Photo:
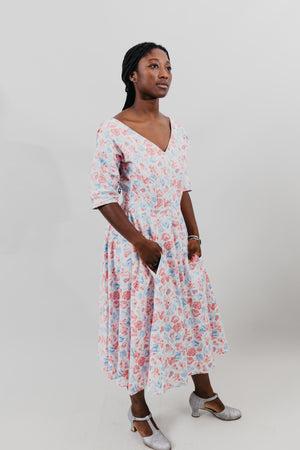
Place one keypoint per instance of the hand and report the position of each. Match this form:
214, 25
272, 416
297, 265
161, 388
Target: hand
150, 253
194, 248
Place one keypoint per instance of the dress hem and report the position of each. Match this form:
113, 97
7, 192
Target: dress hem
121, 381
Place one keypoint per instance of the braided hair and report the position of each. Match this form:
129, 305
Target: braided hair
129, 65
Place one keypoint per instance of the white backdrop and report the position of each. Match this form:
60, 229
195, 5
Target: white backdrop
235, 89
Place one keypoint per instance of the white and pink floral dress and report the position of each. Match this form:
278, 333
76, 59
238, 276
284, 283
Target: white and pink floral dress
155, 329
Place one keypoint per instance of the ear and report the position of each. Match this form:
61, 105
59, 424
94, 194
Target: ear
132, 76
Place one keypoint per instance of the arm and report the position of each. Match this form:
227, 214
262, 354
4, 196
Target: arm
115, 215
190, 222
188, 213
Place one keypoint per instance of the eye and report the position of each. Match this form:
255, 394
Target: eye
154, 64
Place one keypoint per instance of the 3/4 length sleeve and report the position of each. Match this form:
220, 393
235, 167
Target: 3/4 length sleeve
187, 185
105, 171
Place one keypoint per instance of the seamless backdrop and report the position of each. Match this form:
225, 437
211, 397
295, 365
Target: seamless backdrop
235, 89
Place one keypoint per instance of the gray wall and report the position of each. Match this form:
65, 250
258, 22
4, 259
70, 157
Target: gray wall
235, 89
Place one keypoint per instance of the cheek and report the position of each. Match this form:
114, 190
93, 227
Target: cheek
148, 80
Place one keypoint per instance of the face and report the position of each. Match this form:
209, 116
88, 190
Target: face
153, 76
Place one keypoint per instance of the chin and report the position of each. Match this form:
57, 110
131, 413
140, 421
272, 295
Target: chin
163, 94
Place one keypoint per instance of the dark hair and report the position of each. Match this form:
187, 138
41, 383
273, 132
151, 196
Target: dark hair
130, 63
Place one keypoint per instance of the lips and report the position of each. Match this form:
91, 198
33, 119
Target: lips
162, 83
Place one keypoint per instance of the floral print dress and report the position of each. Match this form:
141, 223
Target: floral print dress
155, 329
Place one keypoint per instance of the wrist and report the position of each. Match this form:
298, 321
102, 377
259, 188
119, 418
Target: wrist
193, 230
138, 240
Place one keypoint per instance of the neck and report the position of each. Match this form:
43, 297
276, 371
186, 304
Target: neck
148, 109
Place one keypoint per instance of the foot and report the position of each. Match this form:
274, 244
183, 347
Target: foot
143, 426
215, 404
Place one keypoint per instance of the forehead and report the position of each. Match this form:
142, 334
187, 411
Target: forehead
156, 54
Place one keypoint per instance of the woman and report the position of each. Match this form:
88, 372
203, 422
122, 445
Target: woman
158, 319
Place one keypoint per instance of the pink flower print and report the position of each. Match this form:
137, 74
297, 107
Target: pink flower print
139, 325
124, 304
127, 252
168, 245
116, 295
175, 319
197, 305
177, 378
211, 307
172, 360
181, 277
176, 327
136, 369
136, 284
115, 132
116, 303
95, 176
191, 351
126, 295
102, 177
190, 360
168, 347
141, 361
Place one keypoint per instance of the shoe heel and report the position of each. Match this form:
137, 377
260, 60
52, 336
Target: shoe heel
195, 412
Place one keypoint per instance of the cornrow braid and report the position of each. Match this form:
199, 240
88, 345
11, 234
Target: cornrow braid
129, 65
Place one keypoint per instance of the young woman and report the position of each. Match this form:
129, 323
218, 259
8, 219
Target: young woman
159, 322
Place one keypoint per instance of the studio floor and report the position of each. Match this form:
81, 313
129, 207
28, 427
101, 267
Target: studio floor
56, 398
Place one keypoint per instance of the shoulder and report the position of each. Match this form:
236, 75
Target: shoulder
181, 130
104, 126
109, 129
107, 137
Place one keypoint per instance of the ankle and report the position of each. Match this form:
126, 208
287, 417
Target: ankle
204, 394
140, 411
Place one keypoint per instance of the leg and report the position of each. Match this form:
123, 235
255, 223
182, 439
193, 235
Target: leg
203, 389
140, 408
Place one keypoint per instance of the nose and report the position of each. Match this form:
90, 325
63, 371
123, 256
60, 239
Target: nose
163, 72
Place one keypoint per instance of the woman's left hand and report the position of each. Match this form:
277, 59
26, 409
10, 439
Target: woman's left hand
194, 248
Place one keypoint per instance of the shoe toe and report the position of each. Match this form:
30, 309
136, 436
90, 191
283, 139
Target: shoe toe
235, 413
157, 441
229, 413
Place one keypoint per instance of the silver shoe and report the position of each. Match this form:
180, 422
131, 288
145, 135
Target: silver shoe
157, 440
197, 403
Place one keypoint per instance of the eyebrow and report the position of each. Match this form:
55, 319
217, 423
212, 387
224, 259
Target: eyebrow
168, 62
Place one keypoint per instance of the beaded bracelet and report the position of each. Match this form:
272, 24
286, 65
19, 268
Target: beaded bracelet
193, 236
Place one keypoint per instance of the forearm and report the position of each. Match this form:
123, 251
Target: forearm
188, 214
115, 215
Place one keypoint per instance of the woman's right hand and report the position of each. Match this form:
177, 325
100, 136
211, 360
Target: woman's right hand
150, 253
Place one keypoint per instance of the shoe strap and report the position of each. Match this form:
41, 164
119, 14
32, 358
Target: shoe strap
142, 418
154, 430
210, 398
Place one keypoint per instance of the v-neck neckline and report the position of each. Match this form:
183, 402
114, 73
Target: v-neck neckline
148, 140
